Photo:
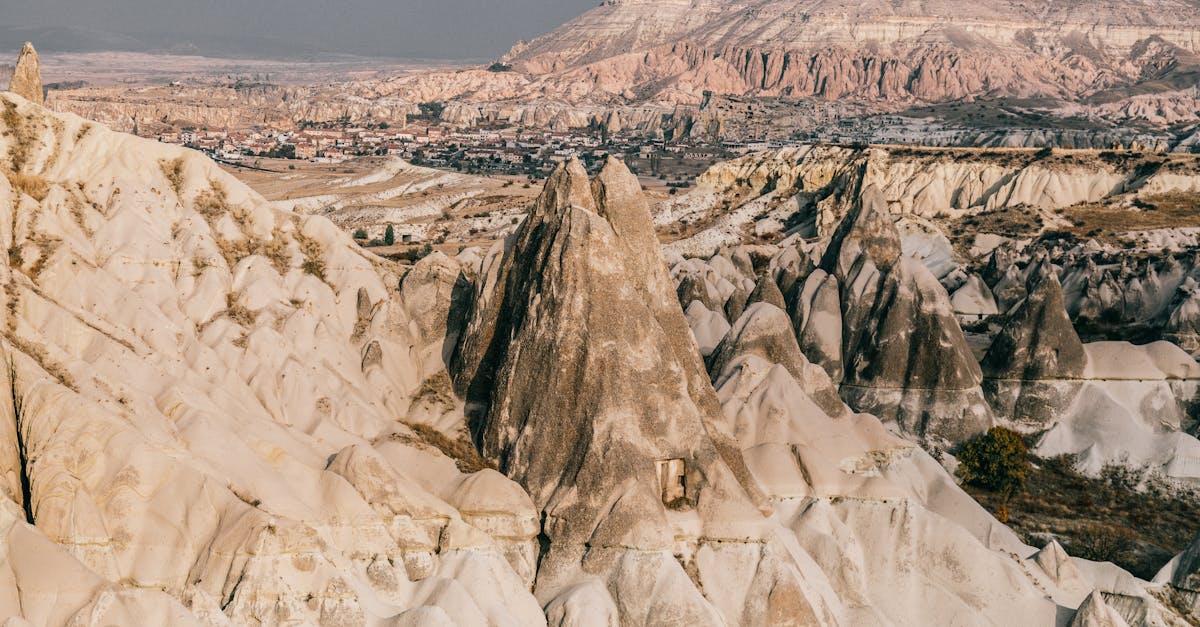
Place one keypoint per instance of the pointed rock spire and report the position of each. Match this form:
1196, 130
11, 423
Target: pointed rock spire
27, 78
1038, 341
1094, 612
588, 359
867, 231
904, 356
585, 386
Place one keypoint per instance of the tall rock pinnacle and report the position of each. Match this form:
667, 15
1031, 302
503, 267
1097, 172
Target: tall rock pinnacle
27, 79
596, 401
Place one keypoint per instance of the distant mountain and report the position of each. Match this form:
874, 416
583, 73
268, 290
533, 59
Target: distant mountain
895, 51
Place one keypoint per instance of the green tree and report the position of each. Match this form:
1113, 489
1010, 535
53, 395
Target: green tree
360, 234
389, 236
996, 461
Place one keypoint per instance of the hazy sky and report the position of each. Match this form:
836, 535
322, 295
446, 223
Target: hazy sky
447, 29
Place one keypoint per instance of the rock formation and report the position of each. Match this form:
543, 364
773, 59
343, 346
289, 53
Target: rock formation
1034, 362
1096, 613
819, 184
260, 426
904, 355
27, 77
935, 51
202, 400
592, 396
1038, 341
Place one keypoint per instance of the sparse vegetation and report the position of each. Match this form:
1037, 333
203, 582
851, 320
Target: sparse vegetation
22, 136
46, 245
436, 390
314, 255
1016, 221
212, 203
1114, 517
38, 353
199, 265
30, 184
238, 312
1106, 223
460, 449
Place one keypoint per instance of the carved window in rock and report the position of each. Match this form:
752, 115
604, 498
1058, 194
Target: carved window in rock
672, 481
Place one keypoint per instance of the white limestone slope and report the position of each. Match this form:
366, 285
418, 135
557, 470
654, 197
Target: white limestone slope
204, 397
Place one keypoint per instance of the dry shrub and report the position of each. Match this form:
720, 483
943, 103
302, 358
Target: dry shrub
461, 450
1101, 542
212, 203
238, 312
30, 184
314, 255
173, 170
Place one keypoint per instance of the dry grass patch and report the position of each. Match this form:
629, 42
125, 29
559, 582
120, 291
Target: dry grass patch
38, 353
173, 170
29, 184
314, 255
47, 245
199, 265
1106, 223
23, 136
436, 390
238, 312
1013, 222
212, 203
461, 450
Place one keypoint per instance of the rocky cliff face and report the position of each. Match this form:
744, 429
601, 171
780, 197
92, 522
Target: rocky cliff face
224, 107
876, 51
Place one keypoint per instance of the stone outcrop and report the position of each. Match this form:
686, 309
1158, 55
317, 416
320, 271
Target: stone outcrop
820, 184
27, 77
590, 393
904, 356
803, 445
1038, 340
1096, 613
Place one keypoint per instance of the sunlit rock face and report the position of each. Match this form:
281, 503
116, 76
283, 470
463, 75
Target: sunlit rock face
27, 77
204, 400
